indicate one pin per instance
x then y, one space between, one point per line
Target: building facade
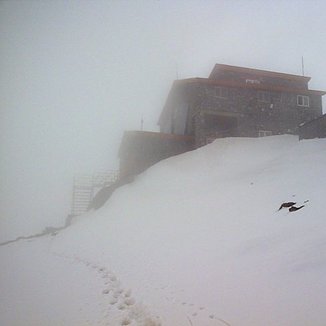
239 102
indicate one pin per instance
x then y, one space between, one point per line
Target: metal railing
85 187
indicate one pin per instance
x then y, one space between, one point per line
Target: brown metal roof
140 133
134 135
252 86
258 72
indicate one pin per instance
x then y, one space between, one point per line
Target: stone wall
139 150
254 110
238 101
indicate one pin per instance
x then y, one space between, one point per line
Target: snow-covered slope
198 238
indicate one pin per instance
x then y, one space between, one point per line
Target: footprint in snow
128 293
129 301
116 295
120 291
126 321
113 301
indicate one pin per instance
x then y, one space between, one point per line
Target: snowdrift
199 240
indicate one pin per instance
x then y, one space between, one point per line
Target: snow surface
196 240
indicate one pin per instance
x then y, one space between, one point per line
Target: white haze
76 74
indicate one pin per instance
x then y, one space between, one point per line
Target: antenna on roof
176 71
302 66
141 123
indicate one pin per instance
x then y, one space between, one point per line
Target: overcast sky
76 74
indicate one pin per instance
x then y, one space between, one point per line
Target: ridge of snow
199 240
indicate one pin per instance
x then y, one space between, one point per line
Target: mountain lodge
231 102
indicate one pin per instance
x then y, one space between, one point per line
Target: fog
76 74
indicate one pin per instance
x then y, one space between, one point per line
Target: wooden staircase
85 187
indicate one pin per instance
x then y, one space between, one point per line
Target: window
221 92
264 133
264 97
303 100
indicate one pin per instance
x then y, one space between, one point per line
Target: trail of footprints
191 310
119 303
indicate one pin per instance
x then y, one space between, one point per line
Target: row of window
302 100
264 133
222 92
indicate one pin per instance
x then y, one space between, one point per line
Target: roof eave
257 72
252 86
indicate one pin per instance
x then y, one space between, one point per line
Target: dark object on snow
286 205
105 193
293 208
